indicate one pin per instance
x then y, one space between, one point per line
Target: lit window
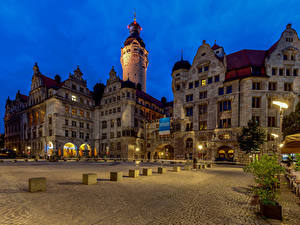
203 82
74 98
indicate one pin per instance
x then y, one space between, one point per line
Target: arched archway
85 150
70 150
225 153
165 151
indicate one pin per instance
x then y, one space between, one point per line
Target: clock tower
134 57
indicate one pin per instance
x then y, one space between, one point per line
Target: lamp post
200 147
282 106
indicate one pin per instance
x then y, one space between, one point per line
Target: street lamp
282 106
200 147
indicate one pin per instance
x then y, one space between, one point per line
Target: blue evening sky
62 34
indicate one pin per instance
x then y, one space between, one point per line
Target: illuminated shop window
74 98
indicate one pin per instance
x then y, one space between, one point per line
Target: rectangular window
225 105
189 111
66 122
273 71
189 98
255 102
200 70
209 80
189 127
221 91
74 112
196 83
295 72
112 135
256 86
104 124
118 134
206 68
88 126
272 86
81 124
202 125
74 98
190 85
228 89
285 57
74 134
119 122
178 87
217 78
202 109
66 133
288 87
81 113
74 123
104 136
287 72
203 82
81 135
271 121
203 95
280 72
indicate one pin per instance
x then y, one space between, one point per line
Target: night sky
60 35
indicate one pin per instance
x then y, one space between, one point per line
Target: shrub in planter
266 173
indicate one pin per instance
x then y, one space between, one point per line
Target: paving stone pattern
220 195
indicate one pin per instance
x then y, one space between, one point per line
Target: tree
1 141
291 122
252 137
98 92
57 78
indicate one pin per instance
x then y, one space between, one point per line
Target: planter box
134 173
161 170
89 178
271 211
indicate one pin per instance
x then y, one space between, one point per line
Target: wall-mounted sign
164 126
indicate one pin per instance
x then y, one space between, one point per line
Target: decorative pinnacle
134 15
181 54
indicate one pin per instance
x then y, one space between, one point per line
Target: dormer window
74 98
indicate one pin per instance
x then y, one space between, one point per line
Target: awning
291 144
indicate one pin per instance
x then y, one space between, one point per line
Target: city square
218 195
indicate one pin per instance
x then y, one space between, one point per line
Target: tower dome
182 64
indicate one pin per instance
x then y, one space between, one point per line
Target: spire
134 16
181 54
36 69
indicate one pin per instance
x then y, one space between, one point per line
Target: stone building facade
214 97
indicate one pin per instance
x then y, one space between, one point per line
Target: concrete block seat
161 170
134 173
176 169
37 184
147 172
89 178
116 176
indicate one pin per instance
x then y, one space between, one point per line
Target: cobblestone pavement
220 195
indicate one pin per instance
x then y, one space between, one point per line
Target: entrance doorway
225 153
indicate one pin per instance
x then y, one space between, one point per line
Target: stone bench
134 173
187 167
147 172
116 176
37 184
209 165
89 178
161 170
176 169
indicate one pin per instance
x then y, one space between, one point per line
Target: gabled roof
245 58
272 48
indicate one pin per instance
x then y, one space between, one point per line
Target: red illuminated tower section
134 57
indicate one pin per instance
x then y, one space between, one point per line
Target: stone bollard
209 165
134 173
161 170
147 172
37 184
203 166
187 167
116 176
89 178
176 169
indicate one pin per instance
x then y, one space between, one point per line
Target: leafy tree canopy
98 92
252 137
291 122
